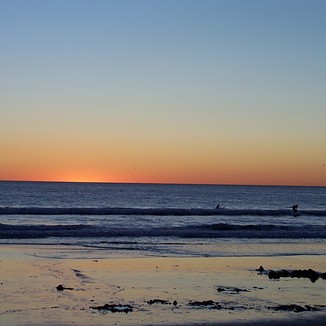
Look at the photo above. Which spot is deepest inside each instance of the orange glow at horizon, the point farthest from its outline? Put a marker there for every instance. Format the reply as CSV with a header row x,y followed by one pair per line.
x,y
182,175
174,160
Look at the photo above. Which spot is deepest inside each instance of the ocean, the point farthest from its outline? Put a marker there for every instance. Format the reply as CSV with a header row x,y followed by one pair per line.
x,y
110,220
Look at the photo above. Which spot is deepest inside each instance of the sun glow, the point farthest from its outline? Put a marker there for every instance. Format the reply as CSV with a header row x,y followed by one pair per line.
x,y
83,176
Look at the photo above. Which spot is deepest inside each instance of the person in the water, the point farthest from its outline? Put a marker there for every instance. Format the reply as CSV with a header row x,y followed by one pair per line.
x,y
295,209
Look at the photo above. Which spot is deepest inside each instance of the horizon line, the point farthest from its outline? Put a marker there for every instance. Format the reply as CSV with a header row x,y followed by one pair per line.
x,y
163,183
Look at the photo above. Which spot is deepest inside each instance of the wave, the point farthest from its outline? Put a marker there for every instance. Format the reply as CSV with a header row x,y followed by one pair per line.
x,y
153,211
220,230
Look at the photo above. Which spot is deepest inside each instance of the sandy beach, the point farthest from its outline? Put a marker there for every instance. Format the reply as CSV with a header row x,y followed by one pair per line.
x,y
156,291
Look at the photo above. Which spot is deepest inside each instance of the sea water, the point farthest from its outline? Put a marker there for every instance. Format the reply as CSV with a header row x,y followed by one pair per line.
x,y
137,220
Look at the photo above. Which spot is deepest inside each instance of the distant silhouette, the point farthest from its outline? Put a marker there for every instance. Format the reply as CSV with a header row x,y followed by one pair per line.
x,y
295,209
217,206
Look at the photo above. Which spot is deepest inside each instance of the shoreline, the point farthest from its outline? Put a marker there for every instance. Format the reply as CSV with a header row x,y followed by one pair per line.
x,y
158,290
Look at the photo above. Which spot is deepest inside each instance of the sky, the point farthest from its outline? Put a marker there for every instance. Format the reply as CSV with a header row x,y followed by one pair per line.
x,y
163,91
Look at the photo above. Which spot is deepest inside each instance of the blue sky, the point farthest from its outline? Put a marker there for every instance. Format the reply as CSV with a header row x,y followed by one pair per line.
x,y
204,76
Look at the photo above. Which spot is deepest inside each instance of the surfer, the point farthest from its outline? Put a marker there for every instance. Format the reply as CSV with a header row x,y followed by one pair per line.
x,y
295,209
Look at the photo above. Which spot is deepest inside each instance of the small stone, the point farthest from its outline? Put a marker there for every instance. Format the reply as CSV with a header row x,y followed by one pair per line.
x,y
61,288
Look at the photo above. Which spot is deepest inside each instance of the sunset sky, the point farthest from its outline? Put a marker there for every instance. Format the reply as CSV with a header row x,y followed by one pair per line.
x,y
171,91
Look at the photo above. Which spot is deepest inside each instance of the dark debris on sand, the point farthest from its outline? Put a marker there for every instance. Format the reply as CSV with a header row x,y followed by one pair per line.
x,y
293,307
231,290
114,308
150,302
206,303
60,287
261,269
298,273
158,301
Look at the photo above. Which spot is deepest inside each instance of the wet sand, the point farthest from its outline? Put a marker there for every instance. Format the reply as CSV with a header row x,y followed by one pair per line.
x,y
156,291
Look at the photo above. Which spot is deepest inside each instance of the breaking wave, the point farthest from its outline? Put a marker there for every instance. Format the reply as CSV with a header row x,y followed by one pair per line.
x,y
153,211
220,230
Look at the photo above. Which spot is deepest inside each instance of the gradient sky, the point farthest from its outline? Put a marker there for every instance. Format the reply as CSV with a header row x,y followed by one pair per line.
x,y
172,91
